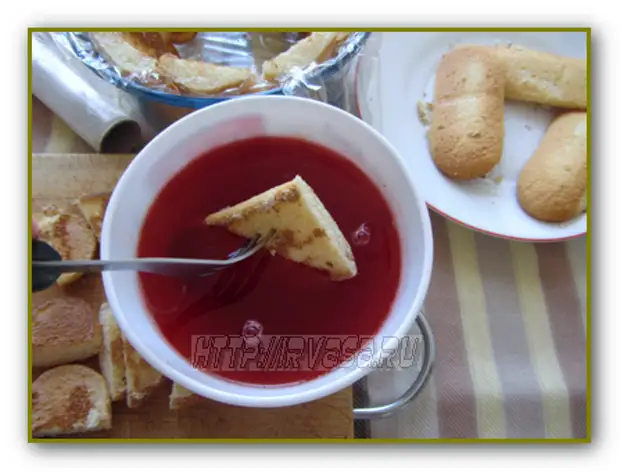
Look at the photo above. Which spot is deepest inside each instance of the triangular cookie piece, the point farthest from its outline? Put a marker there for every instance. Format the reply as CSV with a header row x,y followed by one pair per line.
x,y
317,47
305,232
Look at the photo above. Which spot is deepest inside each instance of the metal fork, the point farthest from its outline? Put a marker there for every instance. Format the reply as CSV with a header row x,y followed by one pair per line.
x,y
47,265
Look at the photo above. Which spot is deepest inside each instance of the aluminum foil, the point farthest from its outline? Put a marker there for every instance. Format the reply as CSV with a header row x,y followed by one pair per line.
x,y
238,49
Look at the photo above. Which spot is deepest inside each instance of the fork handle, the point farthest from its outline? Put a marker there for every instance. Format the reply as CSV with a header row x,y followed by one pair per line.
x,y
162,266
84,266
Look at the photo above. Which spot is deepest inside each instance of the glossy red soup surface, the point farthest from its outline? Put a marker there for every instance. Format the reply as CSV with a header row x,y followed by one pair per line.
x,y
269,320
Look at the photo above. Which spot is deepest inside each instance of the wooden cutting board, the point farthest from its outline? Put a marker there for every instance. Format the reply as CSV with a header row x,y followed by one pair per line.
x,y
58,179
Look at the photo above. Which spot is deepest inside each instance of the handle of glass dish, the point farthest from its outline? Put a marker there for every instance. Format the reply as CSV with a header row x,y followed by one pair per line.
x,y
388,409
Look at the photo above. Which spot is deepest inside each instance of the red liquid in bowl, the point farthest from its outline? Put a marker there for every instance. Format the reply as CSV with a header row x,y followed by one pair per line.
x,y
267,299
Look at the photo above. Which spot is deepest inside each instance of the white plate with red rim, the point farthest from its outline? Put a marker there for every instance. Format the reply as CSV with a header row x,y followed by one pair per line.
x,y
397,71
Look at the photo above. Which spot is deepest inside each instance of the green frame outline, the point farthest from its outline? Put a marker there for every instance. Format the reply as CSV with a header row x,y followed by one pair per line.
x,y
588,437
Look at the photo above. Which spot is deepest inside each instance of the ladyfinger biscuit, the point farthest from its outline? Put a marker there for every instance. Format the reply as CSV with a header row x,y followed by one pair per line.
x,y
552,185
541,77
467,128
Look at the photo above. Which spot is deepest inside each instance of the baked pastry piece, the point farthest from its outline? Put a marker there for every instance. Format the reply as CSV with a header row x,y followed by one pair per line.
x,y
202,77
314,48
140,377
111,355
541,77
93,209
71,236
466,134
180,397
552,186
305,232
153,44
70,399
64,330
130,56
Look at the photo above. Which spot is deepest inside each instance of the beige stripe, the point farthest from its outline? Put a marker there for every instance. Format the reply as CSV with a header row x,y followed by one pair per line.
x,y
545,363
486,381
61,139
576,250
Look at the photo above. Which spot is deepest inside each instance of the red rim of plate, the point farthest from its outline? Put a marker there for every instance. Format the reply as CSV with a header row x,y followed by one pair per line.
x,y
451,218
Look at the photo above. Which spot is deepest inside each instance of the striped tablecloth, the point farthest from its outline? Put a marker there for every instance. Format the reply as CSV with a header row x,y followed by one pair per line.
x,y
509,324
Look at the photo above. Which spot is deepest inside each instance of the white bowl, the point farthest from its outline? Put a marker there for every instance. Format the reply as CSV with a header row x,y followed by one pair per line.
x,y
229,121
